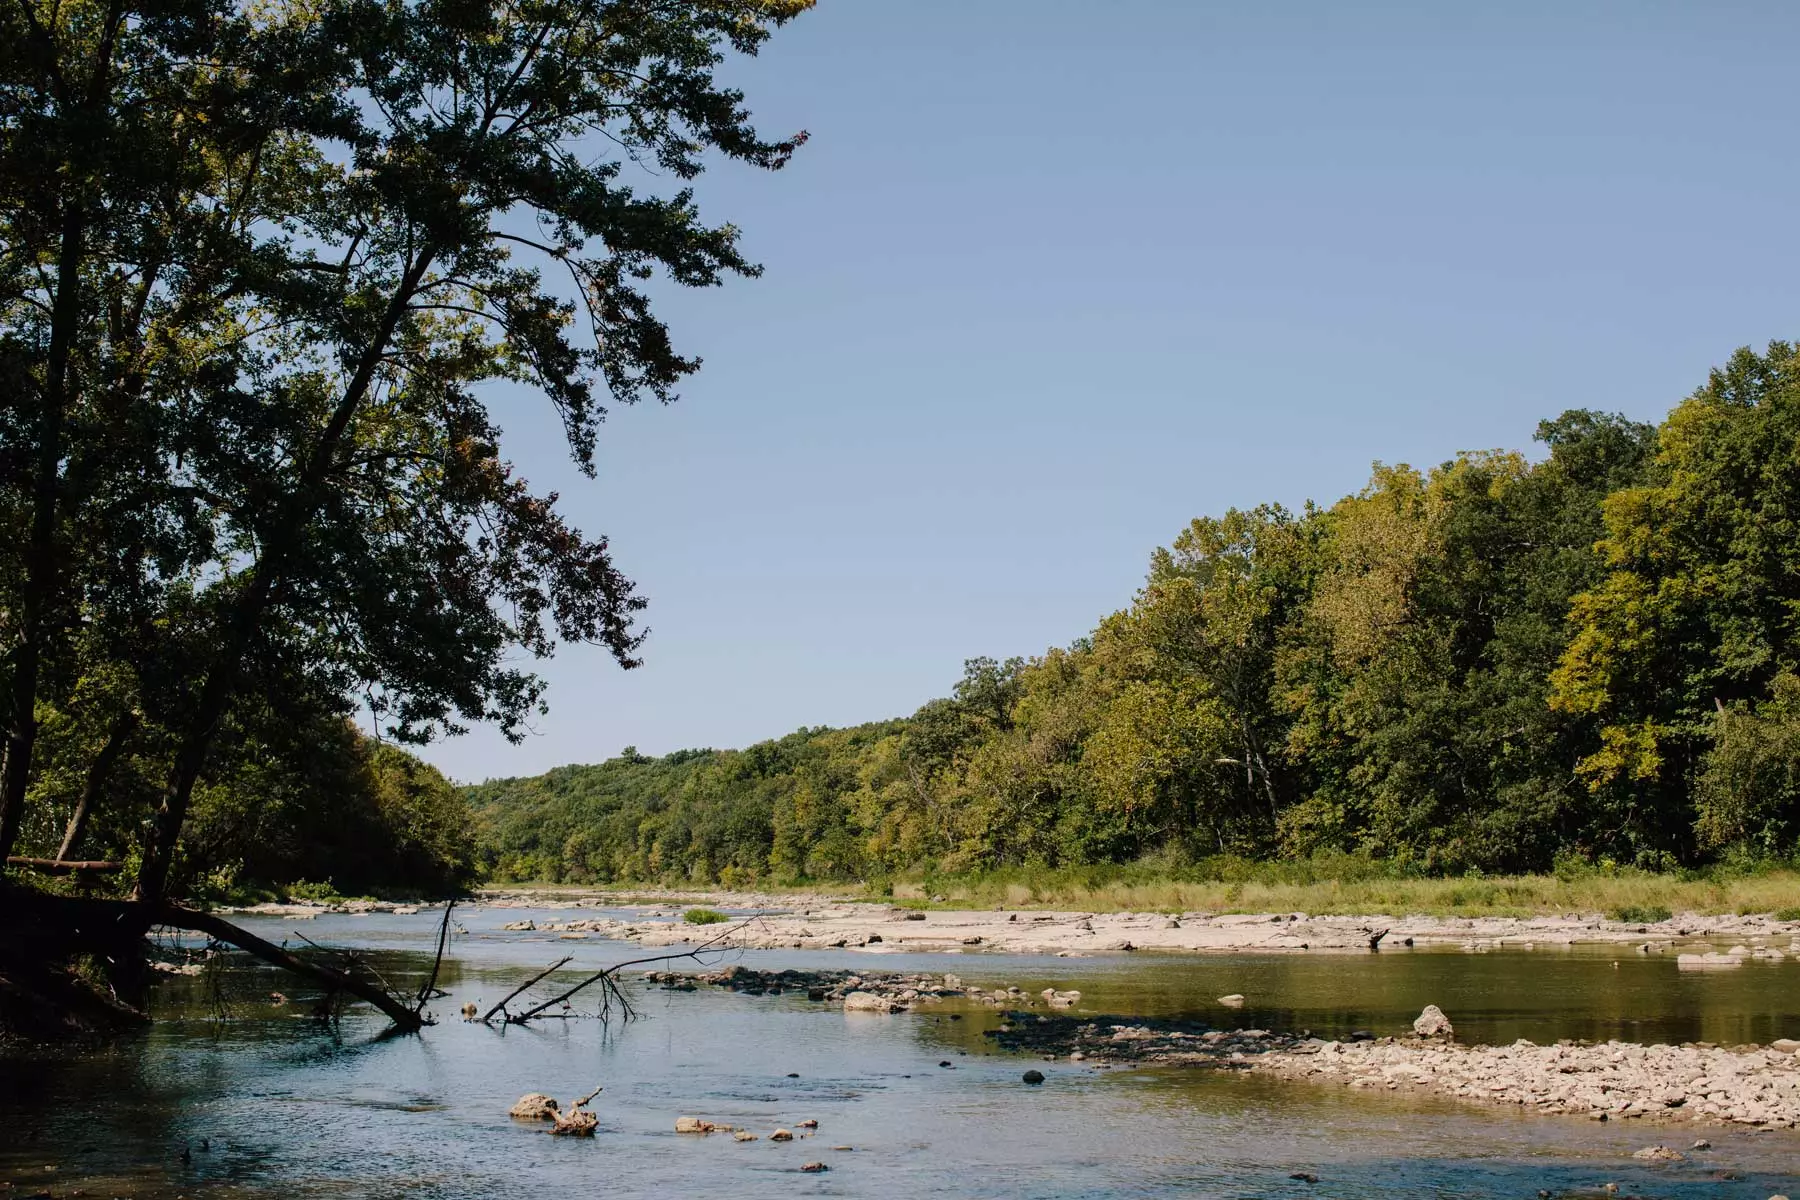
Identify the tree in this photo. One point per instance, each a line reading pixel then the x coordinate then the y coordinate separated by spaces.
pixel 1697 611
pixel 361 191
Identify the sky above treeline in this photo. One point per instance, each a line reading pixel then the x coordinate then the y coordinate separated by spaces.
pixel 1051 278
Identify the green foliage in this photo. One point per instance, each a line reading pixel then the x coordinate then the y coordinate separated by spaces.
pixel 262 269
pixel 1639 914
pixel 1493 666
pixel 704 916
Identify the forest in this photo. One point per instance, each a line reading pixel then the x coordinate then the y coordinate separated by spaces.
pixel 1510 662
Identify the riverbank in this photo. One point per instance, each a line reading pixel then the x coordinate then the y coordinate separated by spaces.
pixel 1297 887
pixel 818 923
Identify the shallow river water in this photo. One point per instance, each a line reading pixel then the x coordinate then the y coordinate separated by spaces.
pixel 287 1108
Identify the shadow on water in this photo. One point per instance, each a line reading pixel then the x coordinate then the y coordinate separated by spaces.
pixel 288 1108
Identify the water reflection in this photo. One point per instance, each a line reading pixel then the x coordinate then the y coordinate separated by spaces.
pixel 290 1109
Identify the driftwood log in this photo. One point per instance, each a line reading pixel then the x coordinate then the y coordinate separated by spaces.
pixel 60 866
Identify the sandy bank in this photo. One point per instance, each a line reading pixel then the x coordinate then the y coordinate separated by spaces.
pixel 818 923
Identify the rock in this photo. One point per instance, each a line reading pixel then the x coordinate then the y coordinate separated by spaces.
pixel 1232 1001
pixel 914 916
pixel 1433 1023
pixel 808 1124
pixel 870 1002
pixel 1701 1144
pixel 693 1125
pixel 1304 1177
pixel 813 1168
pixel 1659 1154
pixel 1785 1045
pixel 1033 1077
pixel 534 1106
pixel 1171 923
pixel 743 1135
pixel 781 1135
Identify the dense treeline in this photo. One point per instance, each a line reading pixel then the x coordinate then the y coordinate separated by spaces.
pixel 1494 665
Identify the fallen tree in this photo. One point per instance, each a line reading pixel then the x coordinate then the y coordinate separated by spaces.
pixel 52 930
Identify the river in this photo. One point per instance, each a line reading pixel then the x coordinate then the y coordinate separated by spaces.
pixel 265 1102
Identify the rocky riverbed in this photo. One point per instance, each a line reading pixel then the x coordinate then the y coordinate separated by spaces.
pixel 1745 1085
pixel 1695 1082
pixel 770 923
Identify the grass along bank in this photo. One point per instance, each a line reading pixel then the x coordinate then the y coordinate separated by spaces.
pixel 1624 896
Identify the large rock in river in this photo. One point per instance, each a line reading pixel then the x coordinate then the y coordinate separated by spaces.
pixel 870 1002
pixel 1433 1023
pixel 534 1106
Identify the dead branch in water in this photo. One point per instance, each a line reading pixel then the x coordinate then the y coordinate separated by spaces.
pixel 489 1015
pixel 607 979
pixel 428 990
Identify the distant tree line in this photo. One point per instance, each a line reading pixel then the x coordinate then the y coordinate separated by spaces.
pixel 1495 665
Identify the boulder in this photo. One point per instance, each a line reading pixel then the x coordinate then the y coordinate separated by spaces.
pixel 693 1125
pixel 1785 1045
pixel 809 1123
pixel 743 1135
pixel 870 1002
pixel 1433 1023
pixel 813 1168
pixel 534 1106
pixel 781 1135
pixel 1232 1001
pixel 1033 1077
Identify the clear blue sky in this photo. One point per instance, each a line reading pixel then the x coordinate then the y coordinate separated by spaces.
pixel 1053 277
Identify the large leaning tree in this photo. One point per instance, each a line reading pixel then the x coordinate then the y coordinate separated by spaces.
pixel 266 272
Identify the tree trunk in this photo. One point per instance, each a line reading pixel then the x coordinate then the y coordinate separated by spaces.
pixel 101 767
pixel 38 595
pixel 253 602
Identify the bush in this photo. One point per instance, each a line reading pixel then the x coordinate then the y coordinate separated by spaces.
pixel 1639 914
pixel 1787 914
pixel 704 916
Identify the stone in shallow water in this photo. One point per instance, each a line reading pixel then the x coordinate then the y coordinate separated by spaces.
pixel 1659 1154
pixel 534 1106
pixel 1433 1023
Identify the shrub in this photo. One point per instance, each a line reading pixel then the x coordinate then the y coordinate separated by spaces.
pixel 704 916
pixel 1639 914
pixel 1787 914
